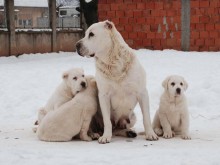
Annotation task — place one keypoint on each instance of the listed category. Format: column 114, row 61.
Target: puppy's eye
column 74, row 78
column 91, row 34
column 172, row 83
column 83, row 75
column 181, row 84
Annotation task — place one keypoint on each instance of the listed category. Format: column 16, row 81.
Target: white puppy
column 73, row 82
column 71, row 118
column 172, row 116
column 120, row 77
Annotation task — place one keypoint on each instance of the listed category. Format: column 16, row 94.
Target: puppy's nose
column 83, row 84
column 178, row 90
column 78, row 46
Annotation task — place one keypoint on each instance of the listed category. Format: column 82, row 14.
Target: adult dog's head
column 98, row 39
column 175, row 85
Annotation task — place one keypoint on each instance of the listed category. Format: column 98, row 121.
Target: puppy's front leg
column 104, row 100
column 84, row 130
column 185, row 126
column 166, row 126
column 143, row 100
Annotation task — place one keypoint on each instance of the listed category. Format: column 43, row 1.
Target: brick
column 150, row 20
column 129, row 42
column 119, row 14
column 122, row 6
column 102, row 13
column 213, row 34
column 214, row 3
column 114, row 6
column 146, row 42
column 171, row 13
column 194, row 48
column 151, row 35
column 150, row 5
column 124, row 34
column 137, row 13
column 204, row 19
column 215, row 19
column 131, row 20
column 200, row 26
column 217, row 42
column 194, row 4
column 141, row 6
column 171, row 42
column 194, row 34
column 146, row 27
column 159, row 36
column 214, row 48
column 176, row 5
column 167, row 6
column 162, row 13
column 104, row 7
column 159, row 5
column 140, row 20
column 123, row 21
column 210, row 11
column 153, row 28
column 199, row 42
column 115, row 21
column 137, row 28
column 142, row 35
column 155, row 13
column 204, row 3
column 209, row 27
column 146, row 13
column 129, row 28
column 110, row 1
column 217, row 26
column 111, row 14
column 192, row 26
column 204, row 34
column 210, row 42
column 138, row 43
column 102, row 1
column 132, row 35
column 131, row 6
column 129, row 14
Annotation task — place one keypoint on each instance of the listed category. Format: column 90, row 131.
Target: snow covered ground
column 27, row 82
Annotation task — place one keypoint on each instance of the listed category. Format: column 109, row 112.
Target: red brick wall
column 156, row 24
column 205, row 25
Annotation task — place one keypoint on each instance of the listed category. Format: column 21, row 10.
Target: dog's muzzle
column 78, row 48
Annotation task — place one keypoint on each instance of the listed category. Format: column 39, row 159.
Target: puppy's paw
column 185, row 137
column 151, row 136
column 94, row 136
column 86, row 138
column 104, row 139
column 158, row 131
column 168, row 135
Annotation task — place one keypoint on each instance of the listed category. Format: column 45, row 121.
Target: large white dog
column 120, row 77
column 73, row 82
column 71, row 118
column 172, row 116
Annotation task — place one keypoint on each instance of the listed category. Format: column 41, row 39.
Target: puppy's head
column 97, row 40
column 75, row 80
column 175, row 85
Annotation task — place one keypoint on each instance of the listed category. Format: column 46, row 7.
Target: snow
column 27, row 82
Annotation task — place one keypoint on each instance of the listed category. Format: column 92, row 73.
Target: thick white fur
column 69, row 87
column 71, row 118
column 120, row 77
column 172, row 116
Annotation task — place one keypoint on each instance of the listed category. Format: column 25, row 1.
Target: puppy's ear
column 108, row 25
column 65, row 75
column 165, row 82
column 185, row 84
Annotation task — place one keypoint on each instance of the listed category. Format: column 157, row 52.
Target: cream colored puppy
column 172, row 116
column 73, row 82
column 71, row 118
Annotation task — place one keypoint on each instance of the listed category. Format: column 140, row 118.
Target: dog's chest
column 173, row 115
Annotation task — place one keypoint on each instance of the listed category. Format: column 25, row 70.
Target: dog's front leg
column 167, row 131
column 185, row 127
column 143, row 100
column 104, row 100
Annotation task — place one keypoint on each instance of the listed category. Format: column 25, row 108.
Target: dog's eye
column 74, row 78
column 83, row 75
column 172, row 83
column 91, row 34
column 181, row 84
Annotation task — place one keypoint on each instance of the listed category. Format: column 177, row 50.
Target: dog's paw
column 131, row 134
column 104, row 139
column 94, row 136
column 168, row 135
column 86, row 138
column 151, row 136
column 185, row 137
column 158, row 131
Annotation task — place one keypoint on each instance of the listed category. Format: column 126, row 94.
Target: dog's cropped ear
column 65, row 75
column 108, row 25
column 165, row 82
column 185, row 84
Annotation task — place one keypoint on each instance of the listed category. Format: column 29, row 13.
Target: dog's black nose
column 83, row 84
column 178, row 90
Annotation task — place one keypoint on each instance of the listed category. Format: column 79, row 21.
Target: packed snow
column 27, row 81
